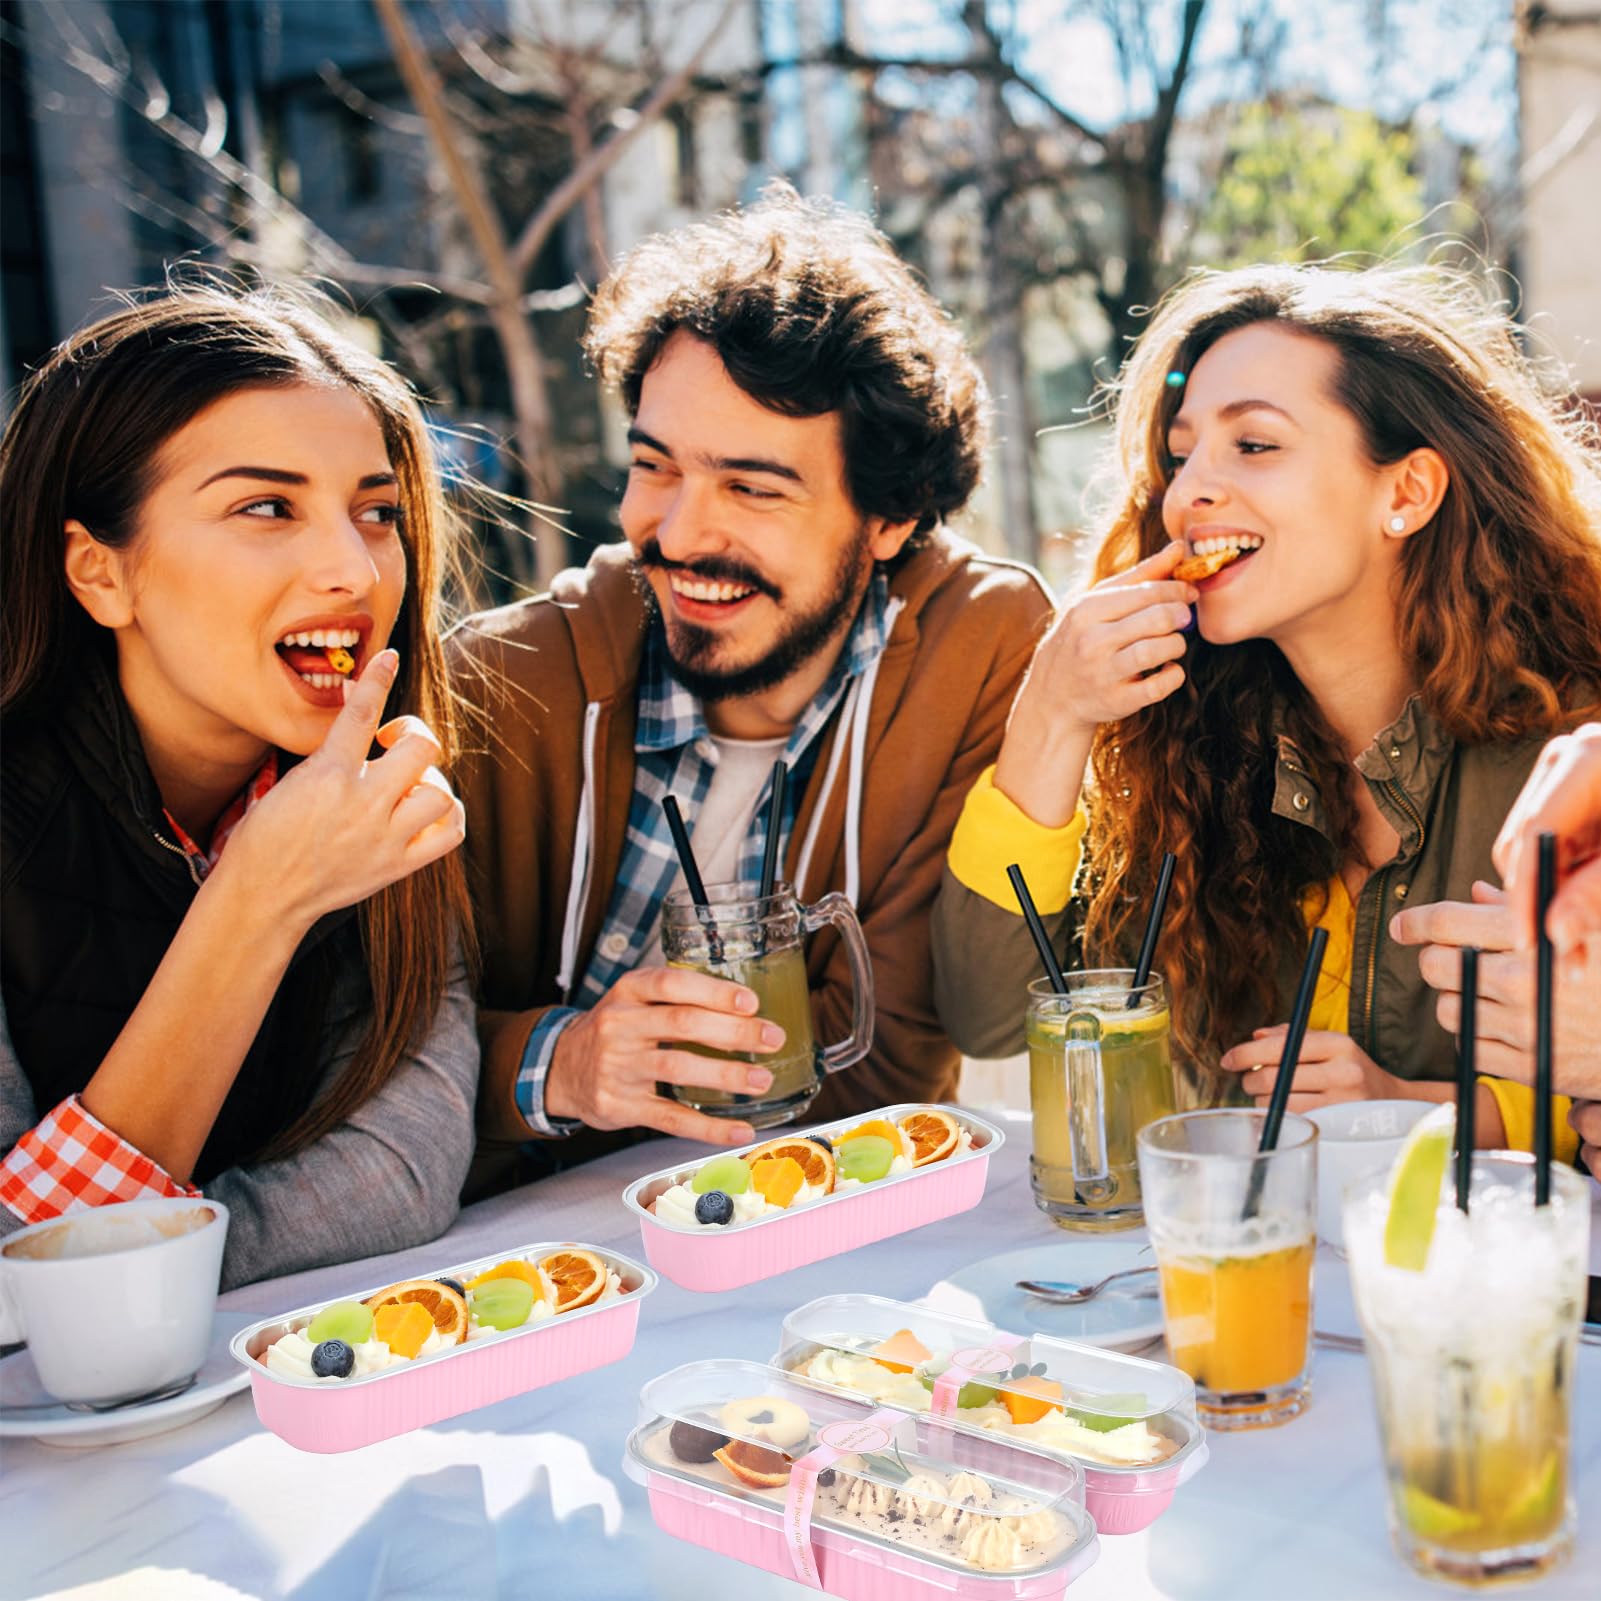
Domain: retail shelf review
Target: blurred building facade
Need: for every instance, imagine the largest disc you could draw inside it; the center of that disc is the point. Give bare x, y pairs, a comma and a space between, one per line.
1560, 94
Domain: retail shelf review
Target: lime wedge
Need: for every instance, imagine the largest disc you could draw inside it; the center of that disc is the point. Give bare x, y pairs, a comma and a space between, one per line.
1540, 1504
1415, 1182
1431, 1519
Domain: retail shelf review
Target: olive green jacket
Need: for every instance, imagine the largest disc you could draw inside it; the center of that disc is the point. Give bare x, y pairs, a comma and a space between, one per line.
1446, 800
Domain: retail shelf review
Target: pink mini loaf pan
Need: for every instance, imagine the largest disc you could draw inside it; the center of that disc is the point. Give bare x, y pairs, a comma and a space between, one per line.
1122, 1498
743, 1253
788, 1530
329, 1417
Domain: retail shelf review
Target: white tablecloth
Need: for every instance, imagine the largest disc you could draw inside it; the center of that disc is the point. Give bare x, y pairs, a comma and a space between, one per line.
528, 1500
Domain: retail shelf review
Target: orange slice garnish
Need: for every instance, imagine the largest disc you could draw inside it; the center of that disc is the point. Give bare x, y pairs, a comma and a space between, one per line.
446, 1310
404, 1328
579, 1277
816, 1161
933, 1134
884, 1129
754, 1465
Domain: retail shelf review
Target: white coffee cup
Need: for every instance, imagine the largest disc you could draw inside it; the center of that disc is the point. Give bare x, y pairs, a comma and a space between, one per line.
1356, 1138
115, 1301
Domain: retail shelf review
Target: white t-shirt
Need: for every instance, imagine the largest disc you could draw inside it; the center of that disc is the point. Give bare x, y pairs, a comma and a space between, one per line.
719, 829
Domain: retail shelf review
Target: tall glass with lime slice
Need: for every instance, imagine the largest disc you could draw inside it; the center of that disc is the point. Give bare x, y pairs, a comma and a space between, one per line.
1472, 1323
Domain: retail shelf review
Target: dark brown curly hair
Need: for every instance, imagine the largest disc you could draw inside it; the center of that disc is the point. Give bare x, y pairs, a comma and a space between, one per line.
1498, 607
811, 311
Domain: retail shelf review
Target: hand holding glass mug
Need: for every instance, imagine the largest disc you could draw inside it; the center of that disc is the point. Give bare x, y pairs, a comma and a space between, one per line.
610, 1060
758, 941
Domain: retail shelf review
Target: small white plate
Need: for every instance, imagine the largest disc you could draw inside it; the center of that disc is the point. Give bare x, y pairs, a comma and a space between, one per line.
1120, 1315
55, 1424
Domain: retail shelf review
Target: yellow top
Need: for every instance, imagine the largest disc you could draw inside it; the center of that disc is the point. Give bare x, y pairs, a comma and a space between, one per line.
993, 831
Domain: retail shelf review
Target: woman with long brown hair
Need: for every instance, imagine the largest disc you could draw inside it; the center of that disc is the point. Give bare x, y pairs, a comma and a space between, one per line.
223, 543
1408, 605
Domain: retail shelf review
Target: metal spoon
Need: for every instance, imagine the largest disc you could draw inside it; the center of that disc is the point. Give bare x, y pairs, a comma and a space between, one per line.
1060, 1294
149, 1398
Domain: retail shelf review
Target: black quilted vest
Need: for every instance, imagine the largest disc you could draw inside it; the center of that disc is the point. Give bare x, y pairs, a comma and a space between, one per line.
93, 893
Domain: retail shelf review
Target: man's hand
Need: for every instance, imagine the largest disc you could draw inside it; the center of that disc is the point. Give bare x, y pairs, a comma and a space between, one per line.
1505, 1021
1562, 796
1331, 1068
1585, 1117
608, 1062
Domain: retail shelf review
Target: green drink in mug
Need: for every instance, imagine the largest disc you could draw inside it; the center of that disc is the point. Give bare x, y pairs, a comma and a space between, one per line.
760, 943
1099, 1070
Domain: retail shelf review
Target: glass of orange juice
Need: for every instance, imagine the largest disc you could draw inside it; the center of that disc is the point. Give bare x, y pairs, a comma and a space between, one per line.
1235, 1230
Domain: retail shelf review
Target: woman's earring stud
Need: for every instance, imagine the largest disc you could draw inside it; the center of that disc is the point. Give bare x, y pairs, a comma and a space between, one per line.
1398, 525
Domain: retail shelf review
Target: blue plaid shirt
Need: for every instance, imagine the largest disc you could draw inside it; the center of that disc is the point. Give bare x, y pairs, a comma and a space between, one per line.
674, 755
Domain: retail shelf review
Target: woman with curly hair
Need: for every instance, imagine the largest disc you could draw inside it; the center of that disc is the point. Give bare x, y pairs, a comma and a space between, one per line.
1410, 606
232, 935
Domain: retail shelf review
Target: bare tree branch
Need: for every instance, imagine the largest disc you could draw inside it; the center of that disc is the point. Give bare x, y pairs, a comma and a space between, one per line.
562, 198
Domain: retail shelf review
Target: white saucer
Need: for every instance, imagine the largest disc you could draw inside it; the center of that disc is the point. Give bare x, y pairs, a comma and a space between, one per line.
54, 1424
1118, 1316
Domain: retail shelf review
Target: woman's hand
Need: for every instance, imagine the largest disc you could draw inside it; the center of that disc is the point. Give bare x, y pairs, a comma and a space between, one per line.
1505, 1015
1331, 1068
608, 1061
340, 827
1111, 651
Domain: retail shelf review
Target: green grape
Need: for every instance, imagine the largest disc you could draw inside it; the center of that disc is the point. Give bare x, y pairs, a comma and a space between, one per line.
349, 1321
1130, 1409
970, 1394
502, 1303
865, 1158
726, 1173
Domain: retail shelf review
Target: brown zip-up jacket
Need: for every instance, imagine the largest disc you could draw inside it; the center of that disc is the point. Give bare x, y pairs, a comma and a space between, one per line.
544, 668
1446, 800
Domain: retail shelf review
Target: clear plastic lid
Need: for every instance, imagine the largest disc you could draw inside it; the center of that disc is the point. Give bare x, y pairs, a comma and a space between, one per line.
915, 1484
1096, 1405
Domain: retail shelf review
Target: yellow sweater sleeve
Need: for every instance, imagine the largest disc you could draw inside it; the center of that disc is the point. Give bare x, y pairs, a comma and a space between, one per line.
1331, 1005
994, 831
1516, 1104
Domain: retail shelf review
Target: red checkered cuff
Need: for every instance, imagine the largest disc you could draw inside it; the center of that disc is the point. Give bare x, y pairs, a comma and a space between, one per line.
70, 1160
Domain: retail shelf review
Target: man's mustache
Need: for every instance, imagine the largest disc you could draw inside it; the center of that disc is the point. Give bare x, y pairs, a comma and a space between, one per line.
714, 569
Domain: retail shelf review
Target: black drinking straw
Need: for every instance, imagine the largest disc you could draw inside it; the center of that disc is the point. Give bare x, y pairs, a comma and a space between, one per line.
1042, 940
1466, 1079
1274, 1120
1545, 889
775, 824
1153, 927
692, 878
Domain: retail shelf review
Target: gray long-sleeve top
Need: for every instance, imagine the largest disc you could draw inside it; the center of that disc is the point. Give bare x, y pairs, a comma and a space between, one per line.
387, 1177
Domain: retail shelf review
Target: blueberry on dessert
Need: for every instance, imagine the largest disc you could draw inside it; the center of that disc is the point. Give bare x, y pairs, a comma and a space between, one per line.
333, 1359
716, 1206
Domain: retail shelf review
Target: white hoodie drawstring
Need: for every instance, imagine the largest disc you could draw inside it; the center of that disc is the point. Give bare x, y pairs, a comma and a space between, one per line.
857, 713
583, 859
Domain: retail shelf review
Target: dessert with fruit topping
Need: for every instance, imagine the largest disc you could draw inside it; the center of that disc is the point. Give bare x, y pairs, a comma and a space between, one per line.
896, 1496
418, 1318
1022, 1402
798, 1169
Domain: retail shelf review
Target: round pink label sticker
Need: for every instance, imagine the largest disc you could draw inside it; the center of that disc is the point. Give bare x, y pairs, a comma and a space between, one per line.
849, 1435
982, 1359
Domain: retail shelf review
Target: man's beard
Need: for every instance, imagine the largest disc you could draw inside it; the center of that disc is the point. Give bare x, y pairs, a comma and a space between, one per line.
691, 649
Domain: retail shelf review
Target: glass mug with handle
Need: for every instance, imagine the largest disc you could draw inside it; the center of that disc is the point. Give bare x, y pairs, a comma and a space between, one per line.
1100, 1068
759, 942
